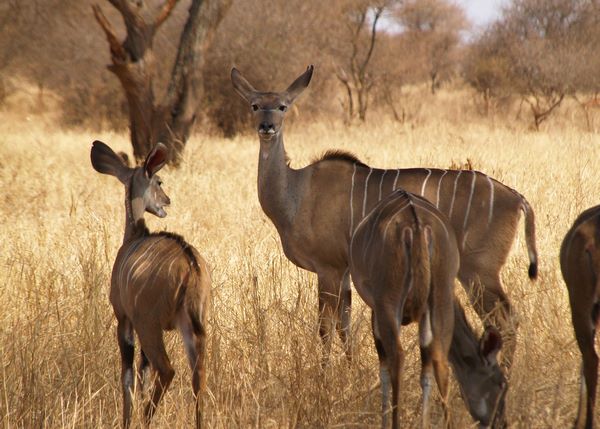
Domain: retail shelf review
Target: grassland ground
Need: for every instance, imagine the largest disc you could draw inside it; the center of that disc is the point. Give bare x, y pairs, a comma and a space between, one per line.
61, 225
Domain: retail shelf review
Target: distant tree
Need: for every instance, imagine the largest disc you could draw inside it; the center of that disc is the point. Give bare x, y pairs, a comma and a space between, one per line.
433, 29
354, 71
133, 61
537, 50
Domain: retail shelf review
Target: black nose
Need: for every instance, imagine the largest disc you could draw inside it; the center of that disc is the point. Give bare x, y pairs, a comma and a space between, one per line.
265, 127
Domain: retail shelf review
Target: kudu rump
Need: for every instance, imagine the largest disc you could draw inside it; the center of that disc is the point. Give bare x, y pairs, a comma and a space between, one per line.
316, 209
403, 260
159, 282
580, 266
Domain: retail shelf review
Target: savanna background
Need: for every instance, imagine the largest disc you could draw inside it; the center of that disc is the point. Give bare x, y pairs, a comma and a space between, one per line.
398, 83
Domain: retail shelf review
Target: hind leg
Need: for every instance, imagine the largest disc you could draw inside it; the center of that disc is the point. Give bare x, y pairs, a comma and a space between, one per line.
384, 374
152, 343
388, 331
194, 339
142, 372
584, 323
126, 342
334, 310
492, 306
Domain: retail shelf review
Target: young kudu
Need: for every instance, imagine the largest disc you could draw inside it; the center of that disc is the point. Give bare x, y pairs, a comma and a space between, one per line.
159, 282
316, 209
580, 266
403, 260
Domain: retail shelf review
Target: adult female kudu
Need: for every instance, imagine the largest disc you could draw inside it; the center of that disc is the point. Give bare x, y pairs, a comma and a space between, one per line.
316, 209
159, 282
580, 266
403, 260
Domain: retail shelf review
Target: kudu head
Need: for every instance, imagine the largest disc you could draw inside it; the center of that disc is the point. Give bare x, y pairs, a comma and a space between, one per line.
268, 108
485, 386
143, 184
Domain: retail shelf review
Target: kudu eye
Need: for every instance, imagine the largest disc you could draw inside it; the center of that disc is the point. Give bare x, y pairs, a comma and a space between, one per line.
254, 107
283, 107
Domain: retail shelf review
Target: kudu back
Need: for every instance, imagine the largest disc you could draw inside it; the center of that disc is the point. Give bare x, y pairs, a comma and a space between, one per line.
580, 266
403, 260
159, 282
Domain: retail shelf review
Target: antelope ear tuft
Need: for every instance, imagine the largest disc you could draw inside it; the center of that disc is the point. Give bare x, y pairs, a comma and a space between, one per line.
106, 161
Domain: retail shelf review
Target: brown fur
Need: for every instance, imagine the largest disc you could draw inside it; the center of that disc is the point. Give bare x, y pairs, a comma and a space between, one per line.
580, 266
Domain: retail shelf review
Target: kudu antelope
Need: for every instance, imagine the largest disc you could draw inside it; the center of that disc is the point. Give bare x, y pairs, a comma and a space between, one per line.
403, 260
159, 282
316, 209
580, 266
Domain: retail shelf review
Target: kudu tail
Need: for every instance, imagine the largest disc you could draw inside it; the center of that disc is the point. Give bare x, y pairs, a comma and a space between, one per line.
417, 278
530, 237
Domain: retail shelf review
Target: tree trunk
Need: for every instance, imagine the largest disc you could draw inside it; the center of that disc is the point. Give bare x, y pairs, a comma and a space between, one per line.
169, 121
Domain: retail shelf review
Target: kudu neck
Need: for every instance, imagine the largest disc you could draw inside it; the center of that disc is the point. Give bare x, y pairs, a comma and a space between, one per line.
135, 224
275, 185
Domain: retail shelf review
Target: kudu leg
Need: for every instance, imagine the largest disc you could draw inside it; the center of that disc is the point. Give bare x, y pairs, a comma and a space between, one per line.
493, 307
152, 342
334, 311
585, 334
384, 375
194, 339
389, 333
142, 371
345, 314
126, 342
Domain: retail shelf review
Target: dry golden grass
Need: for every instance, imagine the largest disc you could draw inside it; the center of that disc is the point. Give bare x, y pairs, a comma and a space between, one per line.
62, 223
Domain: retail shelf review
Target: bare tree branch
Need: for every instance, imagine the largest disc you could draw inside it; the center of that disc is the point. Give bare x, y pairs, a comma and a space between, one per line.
164, 13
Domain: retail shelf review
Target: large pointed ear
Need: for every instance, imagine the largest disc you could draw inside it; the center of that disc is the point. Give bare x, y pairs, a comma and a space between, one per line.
241, 85
156, 159
106, 161
490, 344
299, 85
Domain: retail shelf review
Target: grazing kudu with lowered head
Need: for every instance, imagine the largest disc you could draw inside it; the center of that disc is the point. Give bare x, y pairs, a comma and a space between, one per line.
580, 266
403, 260
316, 209
159, 282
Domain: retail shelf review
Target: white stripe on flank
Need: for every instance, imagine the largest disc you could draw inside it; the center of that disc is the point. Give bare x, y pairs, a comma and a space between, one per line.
396, 180
132, 267
148, 264
453, 195
352, 200
470, 200
437, 202
132, 248
491, 200
158, 266
366, 189
425, 181
381, 184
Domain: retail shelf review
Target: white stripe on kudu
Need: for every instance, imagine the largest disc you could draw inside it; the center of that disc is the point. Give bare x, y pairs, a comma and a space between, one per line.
142, 258
366, 189
437, 201
425, 181
381, 184
352, 200
158, 267
396, 179
453, 195
491, 199
470, 200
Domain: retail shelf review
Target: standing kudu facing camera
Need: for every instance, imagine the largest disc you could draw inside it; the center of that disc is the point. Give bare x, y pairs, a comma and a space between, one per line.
159, 282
